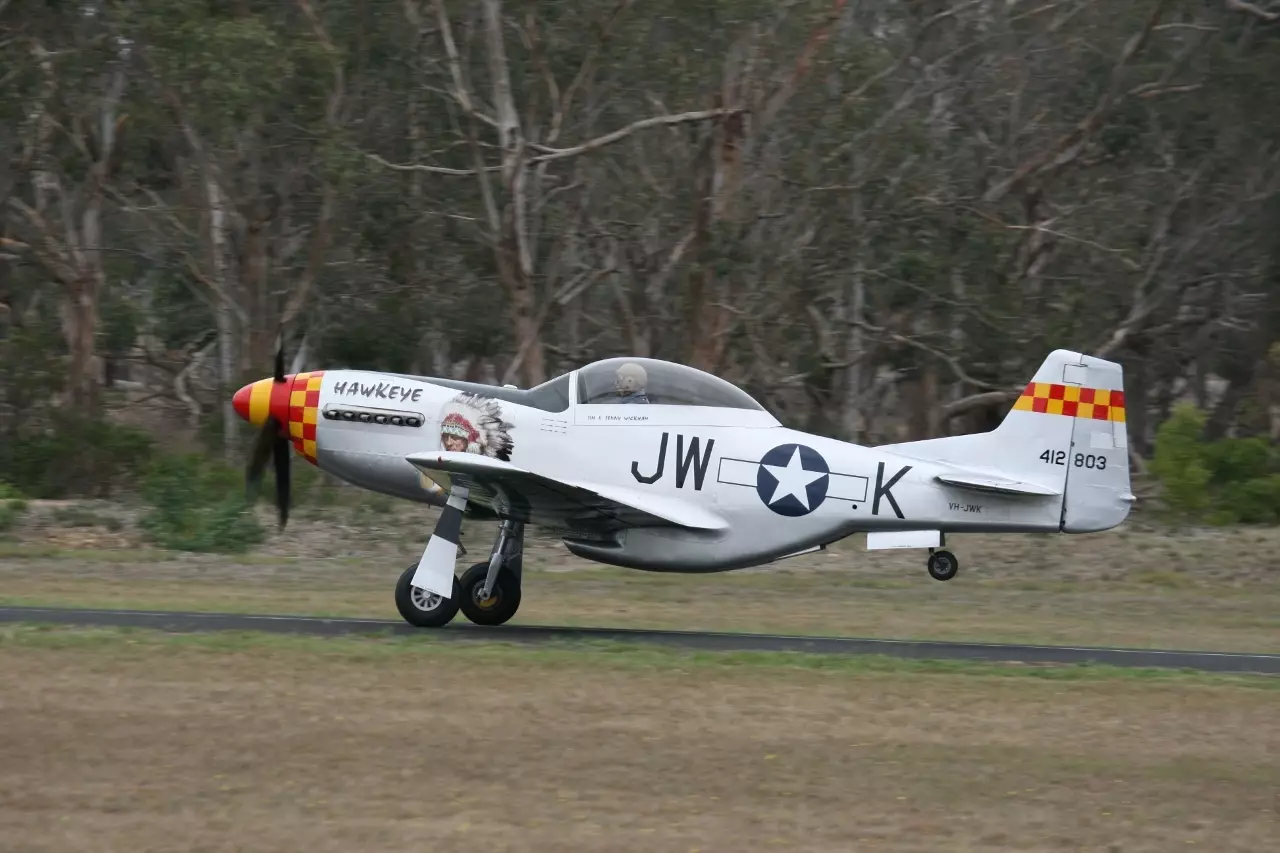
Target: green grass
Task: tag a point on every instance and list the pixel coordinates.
(380, 649)
(1199, 590)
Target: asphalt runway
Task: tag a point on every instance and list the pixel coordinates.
(705, 641)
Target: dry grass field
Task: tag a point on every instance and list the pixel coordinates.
(1138, 586)
(137, 742)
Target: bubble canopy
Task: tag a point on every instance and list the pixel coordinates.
(662, 383)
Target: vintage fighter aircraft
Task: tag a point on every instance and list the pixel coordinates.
(657, 466)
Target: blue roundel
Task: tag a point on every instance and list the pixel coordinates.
(792, 479)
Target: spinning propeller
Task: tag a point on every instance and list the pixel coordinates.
(273, 442)
(435, 569)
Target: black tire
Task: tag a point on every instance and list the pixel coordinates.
(503, 601)
(943, 565)
(412, 603)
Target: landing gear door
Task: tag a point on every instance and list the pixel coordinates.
(1098, 496)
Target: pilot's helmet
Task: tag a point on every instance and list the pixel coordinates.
(631, 378)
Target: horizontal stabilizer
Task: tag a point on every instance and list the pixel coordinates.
(999, 485)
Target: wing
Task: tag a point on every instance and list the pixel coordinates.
(527, 496)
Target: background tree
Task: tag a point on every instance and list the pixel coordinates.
(875, 216)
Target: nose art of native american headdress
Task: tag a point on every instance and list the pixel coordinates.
(478, 421)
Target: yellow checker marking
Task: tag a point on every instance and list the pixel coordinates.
(260, 402)
(310, 414)
(1102, 397)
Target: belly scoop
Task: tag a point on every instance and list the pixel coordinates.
(686, 551)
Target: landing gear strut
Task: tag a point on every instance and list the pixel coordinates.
(487, 593)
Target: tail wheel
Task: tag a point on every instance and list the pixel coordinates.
(423, 609)
(503, 600)
(943, 565)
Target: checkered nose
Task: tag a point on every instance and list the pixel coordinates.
(293, 403)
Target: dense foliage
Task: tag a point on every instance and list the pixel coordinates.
(1232, 480)
(877, 217)
(12, 506)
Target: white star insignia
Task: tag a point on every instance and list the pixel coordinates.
(792, 480)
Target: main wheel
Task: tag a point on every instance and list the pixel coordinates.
(424, 609)
(943, 565)
(503, 600)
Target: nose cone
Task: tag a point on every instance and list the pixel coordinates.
(253, 401)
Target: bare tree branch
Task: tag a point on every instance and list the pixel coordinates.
(565, 153)
(321, 233)
(804, 62)
(951, 362)
(1069, 147)
(1252, 9)
(1169, 90)
(977, 401)
(1145, 301)
(623, 132)
(911, 51)
(585, 69)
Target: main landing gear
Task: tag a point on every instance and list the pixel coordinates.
(487, 593)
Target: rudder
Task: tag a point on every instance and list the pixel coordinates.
(1098, 495)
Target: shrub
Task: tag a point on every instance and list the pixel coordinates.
(12, 506)
(1178, 463)
(1231, 481)
(197, 503)
(74, 456)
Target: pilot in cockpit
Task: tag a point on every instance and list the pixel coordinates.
(630, 384)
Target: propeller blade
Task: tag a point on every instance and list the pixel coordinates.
(272, 443)
(261, 452)
(435, 569)
(279, 374)
(300, 357)
(283, 484)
